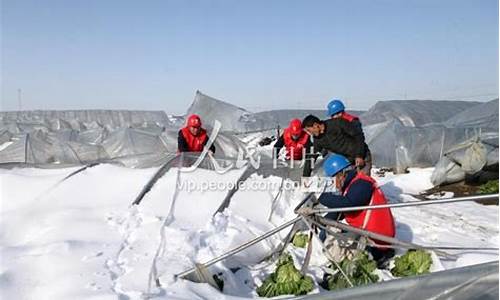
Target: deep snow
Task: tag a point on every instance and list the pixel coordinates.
(80, 238)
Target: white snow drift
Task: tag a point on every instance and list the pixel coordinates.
(81, 239)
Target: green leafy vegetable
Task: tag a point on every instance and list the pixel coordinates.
(490, 187)
(414, 262)
(300, 240)
(359, 270)
(286, 280)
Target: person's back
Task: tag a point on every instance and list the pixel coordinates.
(337, 136)
(344, 138)
(352, 138)
(355, 122)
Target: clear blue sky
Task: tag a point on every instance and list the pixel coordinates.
(257, 54)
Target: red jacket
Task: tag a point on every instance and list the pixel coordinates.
(378, 221)
(295, 148)
(194, 143)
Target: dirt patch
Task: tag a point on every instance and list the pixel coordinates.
(459, 189)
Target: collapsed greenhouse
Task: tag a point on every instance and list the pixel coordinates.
(458, 139)
(400, 134)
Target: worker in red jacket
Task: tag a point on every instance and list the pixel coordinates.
(358, 189)
(296, 142)
(192, 137)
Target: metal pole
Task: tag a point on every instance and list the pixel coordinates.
(323, 221)
(454, 248)
(406, 204)
(327, 253)
(301, 203)
(19, 99)
(151, 182)
(242, 247)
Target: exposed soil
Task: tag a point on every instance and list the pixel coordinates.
(459, 189)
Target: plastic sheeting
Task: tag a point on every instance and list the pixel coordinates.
(237, 120)
(232, 118)
(414, 112)
(132, 147)
(467, 159)
(472, 282)
(135, 139)
(79, 119)
(132, 141)
(35, 148)
(479, 116)
(393, 143)
(400, 134)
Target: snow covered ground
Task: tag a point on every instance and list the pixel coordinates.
(81, 239)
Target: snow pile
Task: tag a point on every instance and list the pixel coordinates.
(464, 224)
(80, 238)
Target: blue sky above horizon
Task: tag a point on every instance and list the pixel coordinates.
(260, 55)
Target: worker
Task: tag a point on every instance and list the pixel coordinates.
(336, 112)
(192, 137)
(294, 139)
(339, 136)
(297, 143)
(358, 189)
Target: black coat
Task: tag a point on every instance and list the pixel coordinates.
(342, 137)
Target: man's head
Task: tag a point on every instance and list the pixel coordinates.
(313, 125)
(335, 108)
(295, 128)
(194, 124)
(337, 165)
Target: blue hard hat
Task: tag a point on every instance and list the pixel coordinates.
(334, 107)
(335, 163)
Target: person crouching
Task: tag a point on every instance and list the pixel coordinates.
(297, 144)
(358, 189)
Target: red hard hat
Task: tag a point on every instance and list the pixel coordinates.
(194, 121)
(295, 127)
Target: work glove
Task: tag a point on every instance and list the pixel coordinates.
(306, 211)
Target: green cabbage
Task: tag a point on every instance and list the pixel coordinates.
(414, 262)
(286, 280)
(359, 270)
(491, 187)
(300, 240)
